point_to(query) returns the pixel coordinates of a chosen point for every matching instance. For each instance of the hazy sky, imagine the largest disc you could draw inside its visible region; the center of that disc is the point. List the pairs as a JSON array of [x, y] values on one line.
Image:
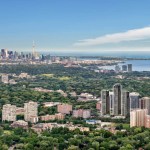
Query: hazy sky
[[75, 25]]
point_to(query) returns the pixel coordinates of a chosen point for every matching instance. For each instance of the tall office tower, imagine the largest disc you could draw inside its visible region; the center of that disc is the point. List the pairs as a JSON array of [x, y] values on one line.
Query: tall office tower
[[117, 88], [117, 68], [134, 100], [15, 55], [125, 103], [111, 98], [124, 67], [31, 112], [137, 117], [144, 103], [4, 53], [4, 78], [9, 112], [10, 54], [129, 67], [105, 106]]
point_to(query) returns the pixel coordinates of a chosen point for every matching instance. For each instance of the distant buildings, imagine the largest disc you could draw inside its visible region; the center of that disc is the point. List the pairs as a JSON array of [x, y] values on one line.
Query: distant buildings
[[24, 75], [124, 67], [9, 112], [64, 108], [117, 68], [129, 67], [31, 112], [5, 78]]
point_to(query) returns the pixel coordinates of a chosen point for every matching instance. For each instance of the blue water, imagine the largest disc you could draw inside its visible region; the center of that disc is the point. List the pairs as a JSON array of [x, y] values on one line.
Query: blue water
[[129, 54], [137, 65]]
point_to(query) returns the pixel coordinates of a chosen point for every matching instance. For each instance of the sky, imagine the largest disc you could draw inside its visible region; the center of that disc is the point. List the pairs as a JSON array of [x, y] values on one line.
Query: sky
[[75, 25]]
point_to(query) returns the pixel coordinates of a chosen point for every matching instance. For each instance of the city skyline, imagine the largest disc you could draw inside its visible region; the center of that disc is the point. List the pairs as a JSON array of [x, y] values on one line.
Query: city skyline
[[75, 26]]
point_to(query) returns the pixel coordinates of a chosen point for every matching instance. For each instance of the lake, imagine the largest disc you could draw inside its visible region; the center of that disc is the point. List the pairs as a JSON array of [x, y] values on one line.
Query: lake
[[137, 65]]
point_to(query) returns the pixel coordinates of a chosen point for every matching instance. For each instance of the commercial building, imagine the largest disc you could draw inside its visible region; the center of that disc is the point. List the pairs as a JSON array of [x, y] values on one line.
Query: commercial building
[[117, 68], [129, 67], [31, 112], [125, 103], [137, 117], [124, 67], [134, 100], [105, 107], [117, 88], [9, 112], [64, 108], [4, 53]]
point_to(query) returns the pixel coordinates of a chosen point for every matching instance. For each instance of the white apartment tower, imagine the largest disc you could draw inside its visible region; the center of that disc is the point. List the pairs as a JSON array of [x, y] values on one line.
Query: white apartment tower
[[9, 112], [31, 112]]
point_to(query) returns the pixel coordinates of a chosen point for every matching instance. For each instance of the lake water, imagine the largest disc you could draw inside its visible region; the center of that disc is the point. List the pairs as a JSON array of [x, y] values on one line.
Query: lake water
[[137, 65]]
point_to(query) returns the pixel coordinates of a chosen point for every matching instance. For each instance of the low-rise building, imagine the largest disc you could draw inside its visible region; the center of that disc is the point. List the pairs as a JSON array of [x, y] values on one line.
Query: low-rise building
[[20, 123], [58, 116], [98, 105], [51, 104], [24, 75], [62, 93], [12, 81], [86, 97], [83, 113], [64, 108]]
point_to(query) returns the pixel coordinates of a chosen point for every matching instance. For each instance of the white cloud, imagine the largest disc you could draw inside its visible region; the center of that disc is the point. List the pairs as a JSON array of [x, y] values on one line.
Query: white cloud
[[130, 35]]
